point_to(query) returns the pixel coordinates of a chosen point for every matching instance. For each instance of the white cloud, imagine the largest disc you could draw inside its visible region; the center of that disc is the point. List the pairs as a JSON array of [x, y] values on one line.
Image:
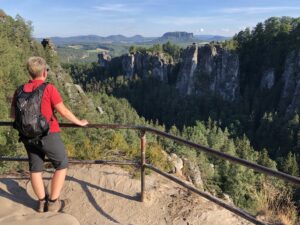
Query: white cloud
[[184, 21], [225, 30], [258, 10], [117, 7]]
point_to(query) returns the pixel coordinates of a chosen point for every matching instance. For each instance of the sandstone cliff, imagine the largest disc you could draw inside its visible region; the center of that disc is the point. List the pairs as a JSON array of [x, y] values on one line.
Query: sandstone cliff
[[141, 64], [289, 100], [211, 70]]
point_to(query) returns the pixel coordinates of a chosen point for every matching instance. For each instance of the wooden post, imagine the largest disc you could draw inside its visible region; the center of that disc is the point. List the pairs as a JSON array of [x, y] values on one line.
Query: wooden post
[[143, 160]]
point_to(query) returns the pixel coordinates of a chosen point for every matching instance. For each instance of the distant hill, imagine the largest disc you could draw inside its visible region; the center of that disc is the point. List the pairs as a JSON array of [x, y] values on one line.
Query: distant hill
[[177, 37], [209, 38], [185, 37], [95, 39]]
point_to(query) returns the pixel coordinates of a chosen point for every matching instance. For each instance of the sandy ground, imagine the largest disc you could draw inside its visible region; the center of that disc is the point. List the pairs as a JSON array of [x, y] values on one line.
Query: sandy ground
[[108, 195]]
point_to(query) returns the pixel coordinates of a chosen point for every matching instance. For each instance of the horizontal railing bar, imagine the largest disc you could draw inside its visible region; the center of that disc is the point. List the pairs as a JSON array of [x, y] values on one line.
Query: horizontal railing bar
[[70, 125], [254, 166], [233, 209], [75, 161]]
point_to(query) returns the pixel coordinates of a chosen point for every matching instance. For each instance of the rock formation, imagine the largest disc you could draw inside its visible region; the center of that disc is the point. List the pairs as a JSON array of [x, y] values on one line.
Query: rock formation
[[156, 65], [176, 36], [187, 69], [128, 65], [193, 173], [103, 59], [142, 64], [290, 101], [209, 70], [46, 42], [268, 79], [206, 70], [177, 163]]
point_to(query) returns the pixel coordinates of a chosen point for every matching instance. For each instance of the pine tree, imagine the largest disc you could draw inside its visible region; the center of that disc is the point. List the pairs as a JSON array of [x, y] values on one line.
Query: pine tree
[[290, 165]]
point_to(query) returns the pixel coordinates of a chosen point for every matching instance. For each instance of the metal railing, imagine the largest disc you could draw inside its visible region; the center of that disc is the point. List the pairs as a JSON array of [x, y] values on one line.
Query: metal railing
[[143, 165]]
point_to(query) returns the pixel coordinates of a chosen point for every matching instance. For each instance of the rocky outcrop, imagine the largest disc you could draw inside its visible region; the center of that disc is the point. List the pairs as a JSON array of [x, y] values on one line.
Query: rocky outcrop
[[100, 110], [187, 69], [187, 169], [177, 163], [176, 36], [206, 70], [46, 42], [128, 65], [290, 97], [209, 70], [268, 79], [156, 65], [3, 16], [141, 64], [193, 173], [103, 59]]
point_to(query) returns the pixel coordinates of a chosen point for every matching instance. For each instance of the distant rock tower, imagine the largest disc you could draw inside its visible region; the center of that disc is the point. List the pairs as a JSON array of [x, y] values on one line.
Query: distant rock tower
[[103, 59], [49, 47], [186, 74], [47, 42], [128, 65], [2, 16]]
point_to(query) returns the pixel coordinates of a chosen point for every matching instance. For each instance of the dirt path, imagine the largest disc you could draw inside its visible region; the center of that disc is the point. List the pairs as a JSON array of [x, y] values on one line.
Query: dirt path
[[108, 195]]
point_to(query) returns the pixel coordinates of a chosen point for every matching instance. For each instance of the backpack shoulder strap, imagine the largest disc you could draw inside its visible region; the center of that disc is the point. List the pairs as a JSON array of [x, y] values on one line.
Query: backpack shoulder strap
[[19, 90], [39, 88], [42, 86]]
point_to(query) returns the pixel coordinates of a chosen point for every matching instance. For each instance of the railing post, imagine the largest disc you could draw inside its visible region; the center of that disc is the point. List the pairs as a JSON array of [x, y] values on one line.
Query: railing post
[[143, 161]]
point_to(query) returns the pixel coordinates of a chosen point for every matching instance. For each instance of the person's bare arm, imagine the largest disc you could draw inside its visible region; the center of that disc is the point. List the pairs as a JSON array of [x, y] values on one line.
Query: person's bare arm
[[66, 113]]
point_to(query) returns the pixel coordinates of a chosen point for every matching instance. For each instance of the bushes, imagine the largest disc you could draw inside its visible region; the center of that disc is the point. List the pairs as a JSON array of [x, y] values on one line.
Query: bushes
[[275, 204]]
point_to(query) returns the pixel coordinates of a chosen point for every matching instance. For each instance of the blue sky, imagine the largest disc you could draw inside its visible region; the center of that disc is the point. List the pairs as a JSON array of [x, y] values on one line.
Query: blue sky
[[146, 17]]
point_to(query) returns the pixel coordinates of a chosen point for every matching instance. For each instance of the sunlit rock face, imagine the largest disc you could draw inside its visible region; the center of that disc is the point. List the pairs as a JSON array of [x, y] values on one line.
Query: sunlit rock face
[[103, 59], [147, 64], [290, 95], [209, 70]]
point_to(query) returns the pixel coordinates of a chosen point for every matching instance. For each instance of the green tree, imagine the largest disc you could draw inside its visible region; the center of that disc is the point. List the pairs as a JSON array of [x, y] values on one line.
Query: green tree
[[290, 165]]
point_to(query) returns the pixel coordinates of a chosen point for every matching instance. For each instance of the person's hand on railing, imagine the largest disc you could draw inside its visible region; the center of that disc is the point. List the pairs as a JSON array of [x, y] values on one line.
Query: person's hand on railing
[[83, 123], [66, 113]]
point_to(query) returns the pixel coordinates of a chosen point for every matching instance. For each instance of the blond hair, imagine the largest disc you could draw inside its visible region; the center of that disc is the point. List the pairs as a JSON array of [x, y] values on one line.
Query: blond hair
[[35, 66]]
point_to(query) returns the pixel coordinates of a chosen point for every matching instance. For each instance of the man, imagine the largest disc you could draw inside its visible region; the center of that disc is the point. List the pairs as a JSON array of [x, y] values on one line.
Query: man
[[50, 145]]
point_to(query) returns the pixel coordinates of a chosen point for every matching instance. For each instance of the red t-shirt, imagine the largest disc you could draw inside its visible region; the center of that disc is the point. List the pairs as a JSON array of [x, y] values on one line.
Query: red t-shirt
[[50, 98]]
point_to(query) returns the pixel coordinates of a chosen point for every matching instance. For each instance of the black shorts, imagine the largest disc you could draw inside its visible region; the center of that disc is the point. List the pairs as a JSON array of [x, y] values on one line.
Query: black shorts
[[50, 146]]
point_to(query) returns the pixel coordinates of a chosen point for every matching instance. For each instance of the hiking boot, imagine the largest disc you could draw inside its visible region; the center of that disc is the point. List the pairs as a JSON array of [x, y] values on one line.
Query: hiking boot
[[42, 205], [58, 205]]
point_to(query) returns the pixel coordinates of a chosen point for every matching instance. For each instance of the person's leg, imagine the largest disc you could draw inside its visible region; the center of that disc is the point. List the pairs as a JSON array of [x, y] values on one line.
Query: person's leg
[[55, 151], [38, 184], [36, 161], [57, 183]]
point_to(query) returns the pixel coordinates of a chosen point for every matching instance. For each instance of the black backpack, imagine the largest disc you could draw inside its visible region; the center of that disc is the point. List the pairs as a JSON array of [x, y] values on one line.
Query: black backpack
[[29, 121]]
